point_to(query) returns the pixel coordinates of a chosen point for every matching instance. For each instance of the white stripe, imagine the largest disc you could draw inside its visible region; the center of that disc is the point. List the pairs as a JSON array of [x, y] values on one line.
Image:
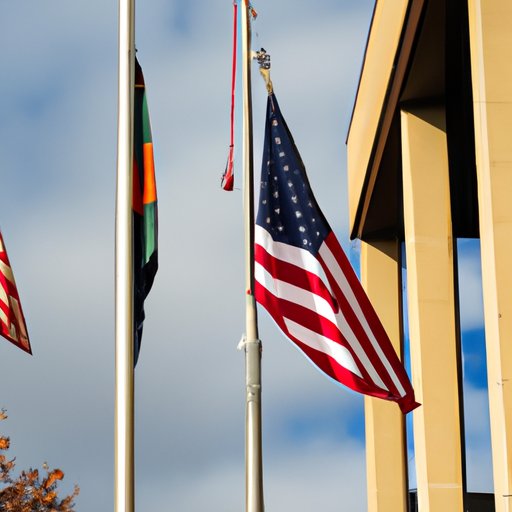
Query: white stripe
[[288, 253], [3, 295], [6, 271], [311, 301], [20, 321], [320, 306], [342, 281], [318, 342], [3, 318], [349, 335], [293, 293], [11, 327]]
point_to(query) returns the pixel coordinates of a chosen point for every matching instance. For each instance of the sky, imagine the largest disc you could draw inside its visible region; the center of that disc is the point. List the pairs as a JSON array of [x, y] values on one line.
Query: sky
[[58, 100]]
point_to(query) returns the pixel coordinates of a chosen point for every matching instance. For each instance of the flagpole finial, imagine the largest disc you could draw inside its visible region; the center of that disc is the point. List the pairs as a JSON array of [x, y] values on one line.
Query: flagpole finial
[[263, 59]]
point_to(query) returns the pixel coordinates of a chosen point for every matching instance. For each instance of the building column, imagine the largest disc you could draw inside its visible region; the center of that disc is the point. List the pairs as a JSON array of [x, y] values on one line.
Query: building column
[[431, 310], [491, 62], [385, 426]]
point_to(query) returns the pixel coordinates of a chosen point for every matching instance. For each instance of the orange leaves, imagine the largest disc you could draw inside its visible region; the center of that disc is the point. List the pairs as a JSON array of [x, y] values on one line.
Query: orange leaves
[[55, 475], [32, 475], [4, 443], [28, 492]]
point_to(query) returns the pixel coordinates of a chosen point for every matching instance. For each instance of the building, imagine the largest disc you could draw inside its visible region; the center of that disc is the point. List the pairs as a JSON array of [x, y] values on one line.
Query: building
[[430, 161]]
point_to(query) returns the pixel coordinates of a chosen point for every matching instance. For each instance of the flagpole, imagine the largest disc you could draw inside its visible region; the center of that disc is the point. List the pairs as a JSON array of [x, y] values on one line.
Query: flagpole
[[124, 378], [253, 445]]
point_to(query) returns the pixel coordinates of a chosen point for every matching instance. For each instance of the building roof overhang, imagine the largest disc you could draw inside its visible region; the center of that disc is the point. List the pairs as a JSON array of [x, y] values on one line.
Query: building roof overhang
[[410, 58]]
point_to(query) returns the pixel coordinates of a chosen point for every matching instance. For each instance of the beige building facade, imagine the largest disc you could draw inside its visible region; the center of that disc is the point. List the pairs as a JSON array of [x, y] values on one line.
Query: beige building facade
[[430, 161]]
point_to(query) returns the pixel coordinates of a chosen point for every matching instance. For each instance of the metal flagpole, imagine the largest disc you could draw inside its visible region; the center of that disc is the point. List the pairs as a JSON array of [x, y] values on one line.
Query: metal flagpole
[[124, 395], [252, 345]]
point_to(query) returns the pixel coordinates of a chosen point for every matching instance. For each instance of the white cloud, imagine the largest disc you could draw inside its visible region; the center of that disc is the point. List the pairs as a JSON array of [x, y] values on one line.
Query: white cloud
[[478, 440], [57, 206], [470, 285], [58, 99], [313, 476]]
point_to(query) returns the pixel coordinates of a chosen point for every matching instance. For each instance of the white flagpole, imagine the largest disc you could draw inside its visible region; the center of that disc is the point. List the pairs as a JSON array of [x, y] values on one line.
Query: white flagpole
[[253, 445], [124, 388]]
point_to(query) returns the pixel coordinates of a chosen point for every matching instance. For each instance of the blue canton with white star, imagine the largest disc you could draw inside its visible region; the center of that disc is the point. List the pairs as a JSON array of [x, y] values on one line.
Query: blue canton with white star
[[287, 207]]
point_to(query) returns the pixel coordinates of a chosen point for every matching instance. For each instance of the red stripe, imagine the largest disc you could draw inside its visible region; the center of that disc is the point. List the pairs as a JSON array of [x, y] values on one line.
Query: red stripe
[[323, 326], [326, 363], [11, 318], [371, 317], [292, 274], [361, 334], [311, 283], [6, 308], [12, 292], [9, 287], [6, 283]]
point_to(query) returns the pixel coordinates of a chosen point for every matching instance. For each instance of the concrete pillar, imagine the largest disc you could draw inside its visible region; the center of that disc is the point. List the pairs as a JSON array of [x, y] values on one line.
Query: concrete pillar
[[385, 426], [431, 308], [491, 63]]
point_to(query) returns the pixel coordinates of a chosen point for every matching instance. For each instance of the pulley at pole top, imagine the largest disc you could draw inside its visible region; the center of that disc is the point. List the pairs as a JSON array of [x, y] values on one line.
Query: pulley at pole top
[[263, 59]]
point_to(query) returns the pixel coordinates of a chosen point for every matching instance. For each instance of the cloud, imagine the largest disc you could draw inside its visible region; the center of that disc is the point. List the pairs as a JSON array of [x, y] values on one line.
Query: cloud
[[58, 151], [57, 213], [318, 475], [470, 285]]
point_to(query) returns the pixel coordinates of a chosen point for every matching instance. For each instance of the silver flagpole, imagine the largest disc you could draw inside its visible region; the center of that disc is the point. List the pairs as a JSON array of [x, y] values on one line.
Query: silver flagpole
[[124, 396], [253, 451]]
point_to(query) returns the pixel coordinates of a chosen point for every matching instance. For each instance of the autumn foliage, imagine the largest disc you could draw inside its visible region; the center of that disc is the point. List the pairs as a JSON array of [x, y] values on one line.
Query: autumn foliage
[[30, 491]]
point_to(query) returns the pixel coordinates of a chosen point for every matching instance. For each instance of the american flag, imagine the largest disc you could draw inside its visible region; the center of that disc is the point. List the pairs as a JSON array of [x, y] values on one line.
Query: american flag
[[306, 283], [12, 322]]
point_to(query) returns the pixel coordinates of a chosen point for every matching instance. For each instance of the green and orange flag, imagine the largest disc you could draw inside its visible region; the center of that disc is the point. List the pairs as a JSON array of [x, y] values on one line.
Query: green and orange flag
[[145, 216]]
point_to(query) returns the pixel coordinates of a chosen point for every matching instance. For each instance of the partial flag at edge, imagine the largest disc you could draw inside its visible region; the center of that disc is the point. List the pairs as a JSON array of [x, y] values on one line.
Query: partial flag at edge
[[12, 320]]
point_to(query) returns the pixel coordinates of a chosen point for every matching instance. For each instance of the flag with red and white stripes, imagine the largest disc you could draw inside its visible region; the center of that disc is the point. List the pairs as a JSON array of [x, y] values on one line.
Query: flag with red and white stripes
[[305, 281], [12, 321]]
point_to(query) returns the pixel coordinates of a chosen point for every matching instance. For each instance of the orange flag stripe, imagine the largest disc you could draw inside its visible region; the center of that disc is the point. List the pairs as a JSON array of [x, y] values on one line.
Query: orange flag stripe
[[149, 175]]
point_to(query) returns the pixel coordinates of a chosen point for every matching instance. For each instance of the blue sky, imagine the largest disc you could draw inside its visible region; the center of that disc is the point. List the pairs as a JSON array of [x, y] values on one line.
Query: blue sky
[[476, 413], [58, 154], [476, 404]]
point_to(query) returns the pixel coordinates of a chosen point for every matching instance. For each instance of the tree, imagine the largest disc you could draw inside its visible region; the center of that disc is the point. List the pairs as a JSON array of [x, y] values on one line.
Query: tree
[[29, 492]]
